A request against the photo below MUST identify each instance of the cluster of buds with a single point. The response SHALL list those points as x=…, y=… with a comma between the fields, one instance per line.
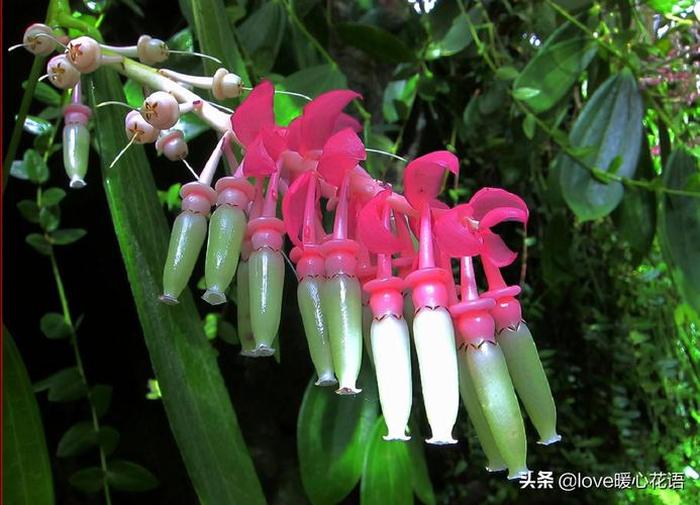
x=380, y=278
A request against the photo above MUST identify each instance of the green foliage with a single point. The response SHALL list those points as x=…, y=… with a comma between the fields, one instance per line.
x=27, y=478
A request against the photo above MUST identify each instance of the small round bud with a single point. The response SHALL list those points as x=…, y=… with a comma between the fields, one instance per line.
x=61, y=73
x=85, y=54
x=38, y=39
x=150, y=50
x=161, y=110
x=172, y=145
x=226, y=85
x=136, y=127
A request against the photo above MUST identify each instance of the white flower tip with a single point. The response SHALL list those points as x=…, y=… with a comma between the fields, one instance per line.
x=326, y=380
x=262, y=351
x=396, y=436
x=516, y=475
x=348, y=390
x=496, y=468
x=77, y=182
x=551, y=440
x=213, y=297
x=168, y=299
x=248, y=353
x=434, y=440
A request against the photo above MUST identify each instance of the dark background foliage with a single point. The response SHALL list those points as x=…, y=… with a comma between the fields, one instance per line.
x=618, y=343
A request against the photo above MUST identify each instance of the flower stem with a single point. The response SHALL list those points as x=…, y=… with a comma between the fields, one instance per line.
x=81, y=369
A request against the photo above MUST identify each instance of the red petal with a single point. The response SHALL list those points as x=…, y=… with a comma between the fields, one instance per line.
x=294, y=135
x=423, y=176
x=320, y=116
x=347, y=121
x=454, y=234
x=341, y=153
x=488, y=199
x=257, y=161
x=254, y=113
x=371, y=229
x=496, y=250
x=274, y=139
x=501, y=214
x=293, y=206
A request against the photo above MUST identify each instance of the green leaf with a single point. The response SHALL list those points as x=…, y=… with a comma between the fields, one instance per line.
x=387, y=471
x=129, y=476
x=35, y=125
x=379, y=44
x=398, y=99
x=35, y=167
x=29, y=210
x=67, y=236
x=54, y=326
x=133, y=92
x=39, y=243
x=216, y=38
x=49, y=218
x=27, y=478
x=108, y=439
x=507, y=73
x=191, y=126
x=422, y=485
x=52, y=196
x=101, y=397
x=525, y=93
x=64, y=386
x=529, y=125
x=79, y=438
x=610, y=122
x=18, y=169
x=311, y=81
x=45, y=93
x=195, y=398
x=679, y=231
x=88, y=480
x=455, y=39
x=262, y=33
x=554, y=70
x=332, y=433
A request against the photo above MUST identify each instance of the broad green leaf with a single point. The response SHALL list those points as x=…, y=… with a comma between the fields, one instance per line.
x=196, y=402
x=45, y=93
x=79, y=438
x=456, y=38
x=529, y=125
x=88, y=480
x=507, y=73
x=27, y=478
x=216, y=38
x=133, y=92
x=262, y=33
x=386, y=474
x=376, y=42
x=191, y=126
x=39, y=243
x=332, y=434
x=29, y=210
x=668, y=6
x=554, y=70
x=130, y=476
x=525, y=93
x=610, y=122
x=101, y=397
x=108, y=439
x=52, y=196
x=54, y=326
x=63, y=386
x=49, y=218
x=679, y=231
x=67, y=236
x=398, y=98
x=35, y=167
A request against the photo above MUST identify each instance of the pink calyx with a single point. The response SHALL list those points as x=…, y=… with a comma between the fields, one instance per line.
x=340, y=252
x=76, y=113
x=234, y=191
x=507, y=311
x=472, y=318
x=198, y=197
x=309, y=261
x=267, y=230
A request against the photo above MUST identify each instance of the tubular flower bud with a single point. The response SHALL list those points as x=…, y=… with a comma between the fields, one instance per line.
x=227, y=228
x=186, y=239
x=76, y=140
x=62, y=73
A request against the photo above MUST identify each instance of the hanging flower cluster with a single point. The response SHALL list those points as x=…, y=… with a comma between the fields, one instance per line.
x=381, y=276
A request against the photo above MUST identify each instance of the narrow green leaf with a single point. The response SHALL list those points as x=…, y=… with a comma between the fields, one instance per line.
x=67, y=236
x=529, y=126
x=27, y=478
x=525, y=93
x=196, y=402
x=611, y=123
x=554, y=70
x=387, y=471
x=379, y=44
x=79, y=438
x=679, y=231
x=39, y=243
x=130, y=476
x=101, y=397
x=88, y=480
x=332, y=434
x=54, y=326
x=29, y=210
